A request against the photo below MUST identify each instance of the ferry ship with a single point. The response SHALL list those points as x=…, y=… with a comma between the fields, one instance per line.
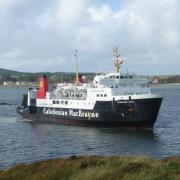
x=111, y=100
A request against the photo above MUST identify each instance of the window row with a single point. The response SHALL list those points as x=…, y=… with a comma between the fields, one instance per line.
x=101, y=95
x=121, y=77
x=60, y=102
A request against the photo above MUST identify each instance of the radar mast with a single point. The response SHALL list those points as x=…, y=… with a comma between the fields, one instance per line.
x=117, y=61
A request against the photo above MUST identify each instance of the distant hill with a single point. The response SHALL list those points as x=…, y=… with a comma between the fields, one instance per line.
x=16, y=76
x=167, y=79
x=8, y=72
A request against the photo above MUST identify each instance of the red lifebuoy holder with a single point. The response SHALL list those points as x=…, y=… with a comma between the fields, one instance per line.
x=43, y=87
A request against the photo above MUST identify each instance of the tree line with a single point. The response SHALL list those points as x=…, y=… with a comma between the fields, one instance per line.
x=7, y=75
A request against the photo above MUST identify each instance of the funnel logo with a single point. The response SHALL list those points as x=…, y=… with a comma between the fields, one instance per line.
x=41, y=84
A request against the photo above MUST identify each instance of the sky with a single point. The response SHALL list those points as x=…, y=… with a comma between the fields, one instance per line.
x=43, y=35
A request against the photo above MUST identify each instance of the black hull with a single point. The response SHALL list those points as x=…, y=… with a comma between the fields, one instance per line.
x=140, y=113
x=36, y=119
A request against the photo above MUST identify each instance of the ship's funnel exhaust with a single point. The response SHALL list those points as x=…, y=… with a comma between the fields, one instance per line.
x=43, y=87
x=80, y=79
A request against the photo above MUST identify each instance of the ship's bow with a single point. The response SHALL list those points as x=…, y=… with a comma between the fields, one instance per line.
x=147, y=110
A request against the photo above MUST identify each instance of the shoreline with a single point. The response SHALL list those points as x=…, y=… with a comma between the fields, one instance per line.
x=165, y=84
x=34, y=86
x=97, y=167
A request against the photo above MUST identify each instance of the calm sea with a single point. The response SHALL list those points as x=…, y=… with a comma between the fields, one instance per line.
x=26, y=142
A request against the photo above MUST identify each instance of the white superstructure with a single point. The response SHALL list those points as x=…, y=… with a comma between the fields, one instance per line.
x=104, y=87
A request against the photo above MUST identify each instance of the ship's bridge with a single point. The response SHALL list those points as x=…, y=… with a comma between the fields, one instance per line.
x=118, y=79
x=110, y=79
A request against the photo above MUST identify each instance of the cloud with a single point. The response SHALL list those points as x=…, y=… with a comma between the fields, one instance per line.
x=12, y=54
x=37, y=35
x=70, y=14
x=100, y=14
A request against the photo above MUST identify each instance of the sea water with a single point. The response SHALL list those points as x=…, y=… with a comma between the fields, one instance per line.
x=23, y=142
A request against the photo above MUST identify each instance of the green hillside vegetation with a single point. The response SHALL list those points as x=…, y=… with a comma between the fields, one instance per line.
x=97, y=168
x=15, y=76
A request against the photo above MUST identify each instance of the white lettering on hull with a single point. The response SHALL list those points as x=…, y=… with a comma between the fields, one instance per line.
x=125, y=102
x=70, y=113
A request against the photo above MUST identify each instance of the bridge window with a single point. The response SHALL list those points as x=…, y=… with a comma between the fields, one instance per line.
x=105, y=95
x=117, y=77
x=101, y=95
x=97, y=95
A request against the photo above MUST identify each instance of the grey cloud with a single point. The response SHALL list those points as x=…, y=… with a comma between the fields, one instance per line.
x=37, y=35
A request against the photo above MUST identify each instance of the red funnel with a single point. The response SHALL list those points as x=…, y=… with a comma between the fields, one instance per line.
x=43, y=87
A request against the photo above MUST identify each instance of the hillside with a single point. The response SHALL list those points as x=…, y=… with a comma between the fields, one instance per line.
x=8, y=72
x=97, y=168
x=167, y=79
x=15, y=76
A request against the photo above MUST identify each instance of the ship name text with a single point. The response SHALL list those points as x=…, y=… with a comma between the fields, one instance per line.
x=70, y=113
